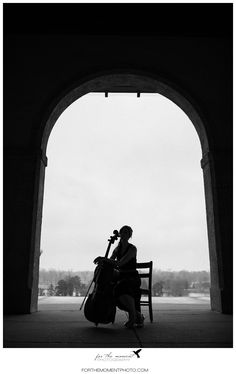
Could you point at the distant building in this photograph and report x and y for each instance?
(43, 290)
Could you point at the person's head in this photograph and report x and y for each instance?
(125, 233)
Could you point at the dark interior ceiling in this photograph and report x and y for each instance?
(119, 19)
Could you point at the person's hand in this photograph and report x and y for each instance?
(98, 260)
(116, 275)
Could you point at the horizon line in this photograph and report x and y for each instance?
(156, 269)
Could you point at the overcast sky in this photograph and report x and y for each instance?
(124, 160)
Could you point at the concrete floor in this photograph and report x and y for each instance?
(178, 323)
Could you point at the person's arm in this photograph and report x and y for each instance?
(111, 260)
(114, 254)
(132, 252)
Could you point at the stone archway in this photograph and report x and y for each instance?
(126, 82)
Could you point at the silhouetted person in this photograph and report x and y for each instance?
(127, 289)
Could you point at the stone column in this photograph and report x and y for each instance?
(219, 221)
(23, 190)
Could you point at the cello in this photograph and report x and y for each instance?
(100, 305)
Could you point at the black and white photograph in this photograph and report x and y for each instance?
(117, 183)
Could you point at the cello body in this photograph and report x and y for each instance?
(100, 305)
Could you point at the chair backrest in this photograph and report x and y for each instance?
(147, 274)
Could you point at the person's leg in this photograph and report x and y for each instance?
(137, 298)
(139, 319)
(129, 305)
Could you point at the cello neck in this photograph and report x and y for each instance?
(108, 249)
(112, 239)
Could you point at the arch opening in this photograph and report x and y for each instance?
(139, 83)
(126, 159)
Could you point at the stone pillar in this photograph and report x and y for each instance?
(223, 170)
(23, 170)
(219, 220)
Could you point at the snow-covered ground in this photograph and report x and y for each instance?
(193, 298)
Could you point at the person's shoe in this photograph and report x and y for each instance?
(129, 324)
(140, 321)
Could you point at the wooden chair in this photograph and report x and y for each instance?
(147, 292)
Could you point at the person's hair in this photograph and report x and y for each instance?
(128, 228)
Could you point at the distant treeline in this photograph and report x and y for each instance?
(189, 276)
(52, 276)
(180, 283)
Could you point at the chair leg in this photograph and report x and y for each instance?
(150, 309)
